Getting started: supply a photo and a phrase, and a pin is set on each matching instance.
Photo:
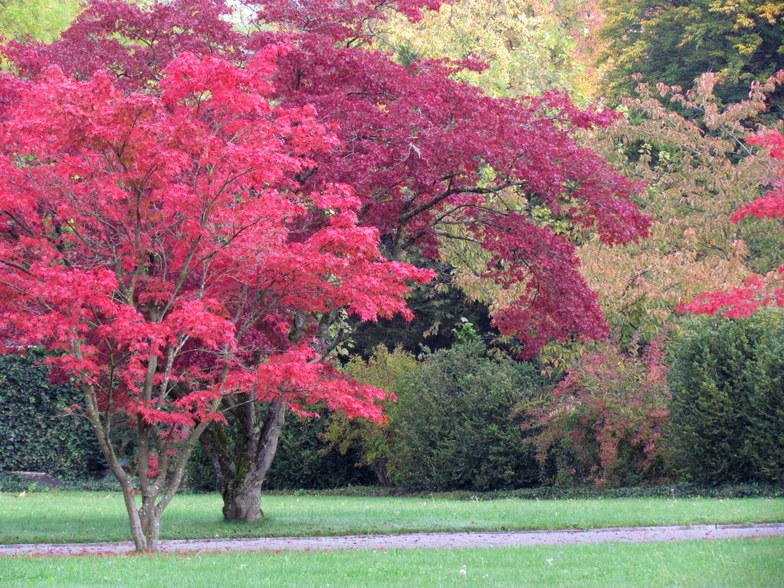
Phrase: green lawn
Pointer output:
(736, 563)
(82, 517)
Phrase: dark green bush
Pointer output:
(38, 429)
(303, 460)
(199, 475)
(727, 407)
(453, 426)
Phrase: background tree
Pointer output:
(528, 53)
(40, 19)
(371, 439)
(455, 425)
(674, 42)
(154, 244)
(757, 291)
(691, 152)
(438, 306)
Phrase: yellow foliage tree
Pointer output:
(692, 153)
(43, 20)
(528, 51)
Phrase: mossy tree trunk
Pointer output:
(241, 463)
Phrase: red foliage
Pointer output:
(757, 291)
(157, 244)
(414, 144)
(606, 418)
(185, 207)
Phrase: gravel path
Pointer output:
(417, 540)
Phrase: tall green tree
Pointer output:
(674, 41)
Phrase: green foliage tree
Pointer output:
(727, 404)
(675, 41)
(42, 20)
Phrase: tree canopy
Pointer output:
(527, 53)
(675, 41)
(692, 153)
(757, 291)
(159, 244)
(40, 19)
(424, 153)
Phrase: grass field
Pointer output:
(82, 517)
(736, 563)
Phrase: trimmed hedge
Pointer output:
(725, 491)
(727, 408)
(36, 431)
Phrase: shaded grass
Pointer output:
(60, 517)
(736, 562)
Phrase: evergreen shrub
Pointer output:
(454, 426)
(303, 460)
(727, 408)
(41, 426)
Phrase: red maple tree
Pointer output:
(429, 159)
(757, 291)
(414, 143)
(159, 246)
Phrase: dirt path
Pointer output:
(418, 540)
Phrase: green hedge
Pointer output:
(679, 490)
(37, 433)
(727, 408)
(454, 425)
(304, 461)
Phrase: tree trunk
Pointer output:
(151, 524)
(140, 539)
(241, 464)
(242, 500)
(379, 467)
(145, 523)
(145, 527)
